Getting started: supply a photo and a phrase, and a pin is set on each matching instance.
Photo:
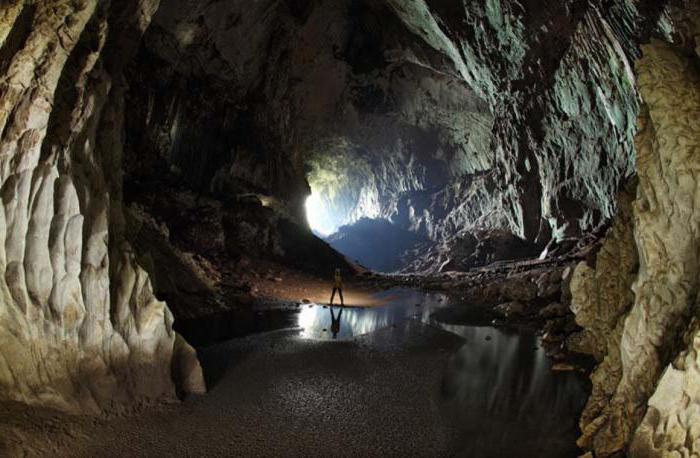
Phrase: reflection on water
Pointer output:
(505, 399)
(320, 322)
(498, 389)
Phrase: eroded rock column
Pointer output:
(647, 392)
(663, 326)
(80, 328)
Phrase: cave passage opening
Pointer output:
(320, 219)
(353, 207)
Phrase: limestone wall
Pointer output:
(647, 390)
(558, 78)
(400, 106)
(80, 328)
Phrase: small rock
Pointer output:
(550, 337)
(305, 301)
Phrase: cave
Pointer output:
(350, 227)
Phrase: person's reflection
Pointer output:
(335, 323)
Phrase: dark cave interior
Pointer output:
(506, 189)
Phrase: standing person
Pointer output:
(338, 286)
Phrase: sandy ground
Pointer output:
(274, 395)
(290, 285)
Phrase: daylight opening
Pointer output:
(319, 217)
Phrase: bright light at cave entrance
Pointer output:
(318, 216)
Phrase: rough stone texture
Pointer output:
(563, 143)
(666, 230)
(601, 298)
(337, 102)
(80, 328)
(650, 396)
(443, 118)
(602, 294)
(670, 426)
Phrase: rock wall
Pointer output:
(355, 107)
(601, 299)
(80, 328)
(559, 81)
(646, 389)
(444, 119)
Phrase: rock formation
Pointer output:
(445, 120)
(646, 389)
(558, 78)
(80, 328)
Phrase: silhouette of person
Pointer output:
(335, 323)
(338, 286)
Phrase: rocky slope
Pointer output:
(80, 328)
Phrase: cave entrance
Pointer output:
(345, 212)
(320, 218)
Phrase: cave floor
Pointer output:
(287, 284)
(408, 390)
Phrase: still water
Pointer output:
(506, 399)
(341, 323)
(498, 389)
